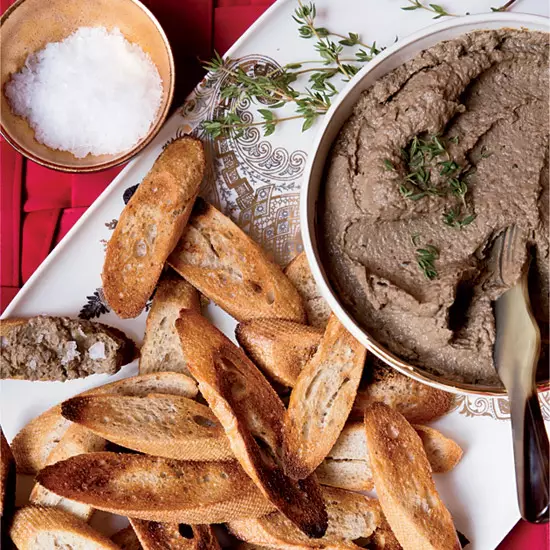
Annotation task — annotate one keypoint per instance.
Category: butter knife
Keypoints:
(516, 353)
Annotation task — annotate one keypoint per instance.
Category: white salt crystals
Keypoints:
(93, 93)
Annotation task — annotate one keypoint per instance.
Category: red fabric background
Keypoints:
(38, 206)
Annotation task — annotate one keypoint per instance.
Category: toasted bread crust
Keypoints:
(38, 527)
(160, 425)
(76, 440)
(150, 226)
(418, 403)
(280, 348)
(252, 415)
(227, 266)
(34, 443)
(161, 350)
(348, 464)
(322, 399)
(404, 484)
(7, 490)
(351, 516)
(157, 489)
(127, 539)
(317, 308)
(171, 536)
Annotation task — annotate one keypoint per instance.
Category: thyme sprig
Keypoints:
(439, 11)
(505, 7)
(453, 218)
(277, 88)
(425, 258)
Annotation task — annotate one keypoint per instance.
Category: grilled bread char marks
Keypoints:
(227, 266)
(156, 488)
(36, 527)
(280, 348)
(161, 350)
(351, 516)
(321, 400)
(172, 536)
(404, 484)
(60, 348)
(252, 415)
(160, 425)
(33, 444)
(150, 226)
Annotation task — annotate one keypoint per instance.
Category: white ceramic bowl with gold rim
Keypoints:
(339, 112)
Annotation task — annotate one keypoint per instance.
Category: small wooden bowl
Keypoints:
(28, 25)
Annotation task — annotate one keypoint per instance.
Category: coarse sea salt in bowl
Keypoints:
(108, 115)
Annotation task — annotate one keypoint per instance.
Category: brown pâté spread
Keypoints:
(438, 158)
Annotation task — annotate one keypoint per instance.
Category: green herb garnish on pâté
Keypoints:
(426, 258)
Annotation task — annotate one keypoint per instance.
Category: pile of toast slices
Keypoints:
(272, 441)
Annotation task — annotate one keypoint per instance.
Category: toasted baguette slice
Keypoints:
(442, 452)
(60, 348)
(351, 516)
(34, 443)
(160, 425)
(348, 464)
(150, 226)
(280, 348)
(321, 400)
(7, 491)
(404, 484)
(126, 539)
(252, 415)
(75, 441)
(317, 308)
(227, 266)
(35, 527)
(418, 403)
(161, 350)
(157, 489)
(7, 477)
(171, 536)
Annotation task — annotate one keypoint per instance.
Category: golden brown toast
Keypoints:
(161, 350)
(37, 527)
(403, 481)
(150, 226)
(348, 464)
(157, 489)
(75, 441)
(418, 403)
(34, 443)
(252, 415)
(351, 516)
(160, 425)
(172, 536)
(317, 308)
(321, 400)
(217, 257)
(127, 539)
(280, 348)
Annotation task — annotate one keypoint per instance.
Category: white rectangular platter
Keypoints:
(256, 181)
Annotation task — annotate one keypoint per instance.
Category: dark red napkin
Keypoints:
(38, 206)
